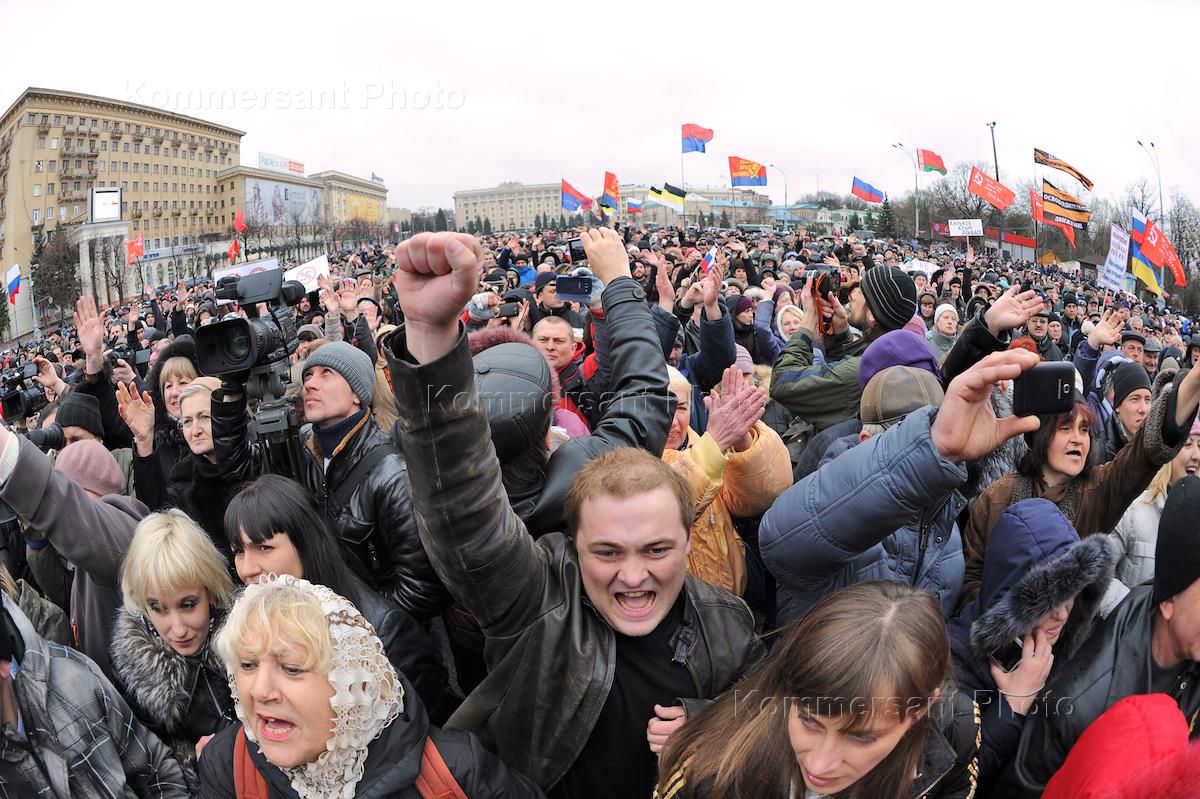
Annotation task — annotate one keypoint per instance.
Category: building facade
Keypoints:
(55, 146)
(346, 198)
(510, 206)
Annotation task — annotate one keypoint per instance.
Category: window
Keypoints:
(124, 185)
(37, 166)
(124, 166)
(49, 188)
(156, 149)
(37, 216)
(45, 119)
(104, 146)
(137, 148)
(29, 120)
(37, 189)
(103, 125)
(124, 206)
(51, 166)
(74, 210)
(62, 212)
(101, 166)
(58, 119)
(135, 185)
(136, 166)
(79, 163)
(75, 185)
(125, 148)
(70, 120)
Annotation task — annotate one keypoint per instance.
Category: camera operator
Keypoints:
(352, 466)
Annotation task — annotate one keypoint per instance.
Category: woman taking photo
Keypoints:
(274, 526)
(851, 702)
(1061, 467)
(324, 714)
(176, 589)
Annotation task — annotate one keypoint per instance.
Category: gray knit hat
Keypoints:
(351, 363)
(891, 295)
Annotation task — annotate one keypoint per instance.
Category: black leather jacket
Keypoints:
(376, 525)
(550, 655)
(1112, 664)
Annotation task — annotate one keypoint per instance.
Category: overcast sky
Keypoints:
(437, 97)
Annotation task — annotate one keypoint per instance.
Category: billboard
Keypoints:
(270, 202)
(277, 163)
(104, 204)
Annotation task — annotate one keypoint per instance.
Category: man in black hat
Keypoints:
(1149, 644)
(1038, 329)
(1070, 316)
(1133, 345)
(547, 302)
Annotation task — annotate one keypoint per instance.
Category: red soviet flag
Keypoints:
(134, 249)
(993, 192)
(1158, 251)
(239, 221)
(233, 250)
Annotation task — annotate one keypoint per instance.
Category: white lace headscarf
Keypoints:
(367, 694)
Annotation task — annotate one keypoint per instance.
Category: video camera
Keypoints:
(255, 344)
(19, 399)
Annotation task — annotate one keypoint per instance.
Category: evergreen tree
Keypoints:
(471, 227)
(724, 219)
(562, 221)
(478, 223)
(537, 222)
(487, 226)
(856, 223)
(439, 222)
(869, 222)
(887, 220)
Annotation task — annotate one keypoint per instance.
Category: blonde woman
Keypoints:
(176, 589)
(324, 714)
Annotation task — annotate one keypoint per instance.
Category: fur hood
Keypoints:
(1034, 563)
(1001, 461)
(155, 679)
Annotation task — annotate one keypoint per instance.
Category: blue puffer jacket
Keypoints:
(1034, 563)
(883, 510)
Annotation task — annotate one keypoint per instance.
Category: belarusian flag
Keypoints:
(930, 161)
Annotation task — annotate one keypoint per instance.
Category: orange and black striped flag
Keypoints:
(1060, 207)
(1045, 159)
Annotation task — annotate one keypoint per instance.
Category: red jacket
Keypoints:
(1137, 748)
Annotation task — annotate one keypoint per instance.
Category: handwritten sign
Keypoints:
(966, 227)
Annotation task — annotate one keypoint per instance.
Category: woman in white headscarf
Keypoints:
(324, 714)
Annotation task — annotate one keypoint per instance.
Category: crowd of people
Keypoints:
(701, 513)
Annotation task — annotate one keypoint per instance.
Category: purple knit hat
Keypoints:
(897, 348)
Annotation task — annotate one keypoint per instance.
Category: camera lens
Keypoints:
(237, 347)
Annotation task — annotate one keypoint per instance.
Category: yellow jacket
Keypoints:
(727, 484)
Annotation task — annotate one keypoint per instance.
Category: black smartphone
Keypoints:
(575, 252)
(141, 357)
(1046, 389)
(573, 289)
(1009, 656)
(508, 309)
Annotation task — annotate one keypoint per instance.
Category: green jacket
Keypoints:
(819, 386)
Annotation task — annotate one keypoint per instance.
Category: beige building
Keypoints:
(56, 145)
(346, 198)
(509, 206)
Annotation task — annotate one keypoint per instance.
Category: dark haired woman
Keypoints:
(275, 526)
(1061, 467)
(789, 731)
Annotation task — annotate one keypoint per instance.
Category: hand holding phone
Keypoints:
(1046, 389)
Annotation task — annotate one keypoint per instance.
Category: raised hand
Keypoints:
(1107, 331)
(436, 274)
(1012, 310)
(138, 413)
(666, 291)
(966, 426)
(606, 254)
(734, 411)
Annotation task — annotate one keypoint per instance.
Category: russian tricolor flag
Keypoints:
(13, 283)
(709, 259)
(866, 192)
(633, 205)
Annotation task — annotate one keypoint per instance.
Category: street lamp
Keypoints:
(1152, 154)
(995, 161)
(916, 190)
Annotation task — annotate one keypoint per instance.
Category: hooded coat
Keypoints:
(169, 444)
(1035, 563)
(392, 766)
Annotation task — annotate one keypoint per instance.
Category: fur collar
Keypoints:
(1082, 572)
(156, 680)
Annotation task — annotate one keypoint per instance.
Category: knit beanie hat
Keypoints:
(945, 307)
(351, 363)
(540, 282)
(81, 410)
(1127, 378)
(743, 303)
(742, 360)
(92, 467)
(891, 295)
(1176, 556)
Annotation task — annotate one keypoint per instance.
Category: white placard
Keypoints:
(241, 270)
(1112, 274)
(105, 205)
(921, 266)
(966, 227)
(308, 272)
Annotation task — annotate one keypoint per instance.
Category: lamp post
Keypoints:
(1152, 154)
(916, 190)
(787, 215)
